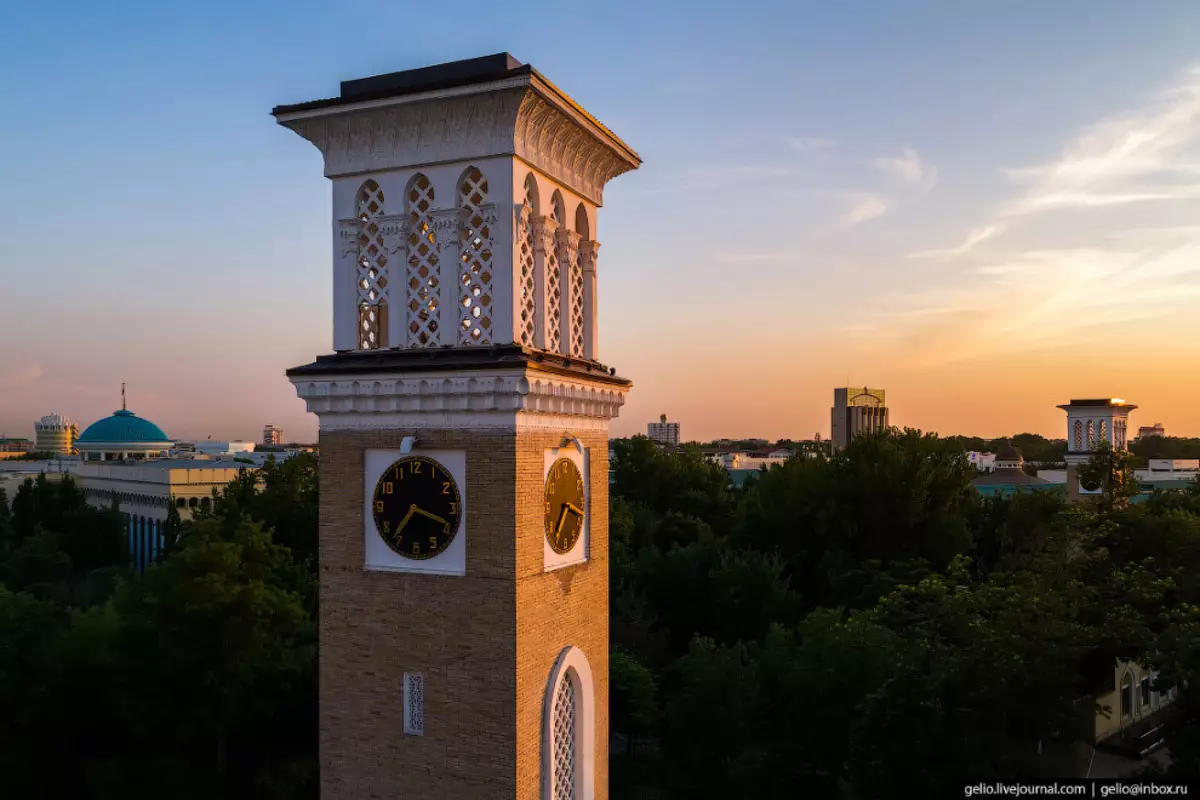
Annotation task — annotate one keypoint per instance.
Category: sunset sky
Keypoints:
(985, 209)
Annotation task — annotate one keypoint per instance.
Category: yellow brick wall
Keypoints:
(486, 642)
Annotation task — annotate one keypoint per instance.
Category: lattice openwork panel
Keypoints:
(1078, 435)
(576, 318)
(564, 740)
(414, 703)
(1104, 430)
(372, 266)
(421, 298)
(553, 301)
(528, 305)
(475, 274)
(1091, 434)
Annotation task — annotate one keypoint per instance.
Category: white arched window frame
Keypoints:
(569, 755)
(423, 270)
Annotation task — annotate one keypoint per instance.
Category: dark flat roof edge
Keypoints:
(378, 88)
(1099, 403)
(460, 359)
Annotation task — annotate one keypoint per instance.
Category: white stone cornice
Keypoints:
(517, 117)
(500, 399)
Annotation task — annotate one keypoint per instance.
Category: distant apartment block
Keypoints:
(55, 434)
(272, 435)
(856, 411)
(663, 432)
(1156, 429)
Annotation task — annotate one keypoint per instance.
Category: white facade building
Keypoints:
(55, 434)
(983, 462)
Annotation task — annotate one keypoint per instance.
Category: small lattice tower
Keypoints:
(464, 423)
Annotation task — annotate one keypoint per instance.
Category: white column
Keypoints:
(345, 290)
(395, 246)
(543, 243)
(446, 223)
(588, 251)
(500, 241)
(568, 253)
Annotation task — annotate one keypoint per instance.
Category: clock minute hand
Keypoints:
(573, 509)
(411, 510)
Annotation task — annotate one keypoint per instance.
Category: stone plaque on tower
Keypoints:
(463, 436)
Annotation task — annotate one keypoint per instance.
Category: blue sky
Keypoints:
(985, 210)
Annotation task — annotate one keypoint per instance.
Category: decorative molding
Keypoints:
(544, 229)
(484, 400)
(568, 242)
(589, 251)
(500, 119)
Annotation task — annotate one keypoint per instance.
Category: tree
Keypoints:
(1110, 472)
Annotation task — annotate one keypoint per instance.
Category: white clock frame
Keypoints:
(580, 553)
(378, 556)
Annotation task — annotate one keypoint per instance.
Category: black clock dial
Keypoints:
(565, 506)
(417, 507)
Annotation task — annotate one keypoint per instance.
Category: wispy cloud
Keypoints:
(1093, 278)
(908, 169)
(1148, 155)
(865, 207)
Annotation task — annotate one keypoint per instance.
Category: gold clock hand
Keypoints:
(574, 509)
(562, 518)
(411, 510)
(433, 517)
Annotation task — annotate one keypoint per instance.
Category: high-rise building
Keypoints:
(55, 434)
(663, 432)
(856, 411)
(1147, 431)
(464, 437)
(272, 435)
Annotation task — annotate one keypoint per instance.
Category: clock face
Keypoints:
(417, 507)
(565, 507)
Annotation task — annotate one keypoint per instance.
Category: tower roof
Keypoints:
(123, 427)
(1103, 402)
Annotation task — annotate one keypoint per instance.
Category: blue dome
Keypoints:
(123, 427)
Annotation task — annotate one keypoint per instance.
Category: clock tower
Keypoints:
(463, 436)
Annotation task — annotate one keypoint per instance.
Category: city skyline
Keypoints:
(986, 217)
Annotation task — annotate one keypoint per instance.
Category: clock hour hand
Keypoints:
(573, 509)
(411, 510)
(562, 518)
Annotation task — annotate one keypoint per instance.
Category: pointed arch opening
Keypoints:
(372, 268)
(569, 729)
(529, 209)
(581, 222)
(554, 278)
(421, 289)
(475, 257)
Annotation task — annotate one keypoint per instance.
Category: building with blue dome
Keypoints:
(123, 437)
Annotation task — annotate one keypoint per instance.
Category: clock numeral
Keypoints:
(398, 474)
(433, 542)
(445, 487)
(387, 526)
(415, 467)
(454, 508)
(378, 506)
(433, 470)
(446, 529)
(416, 548)
(387, 487)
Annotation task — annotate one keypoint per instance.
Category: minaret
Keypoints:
(464, 437)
